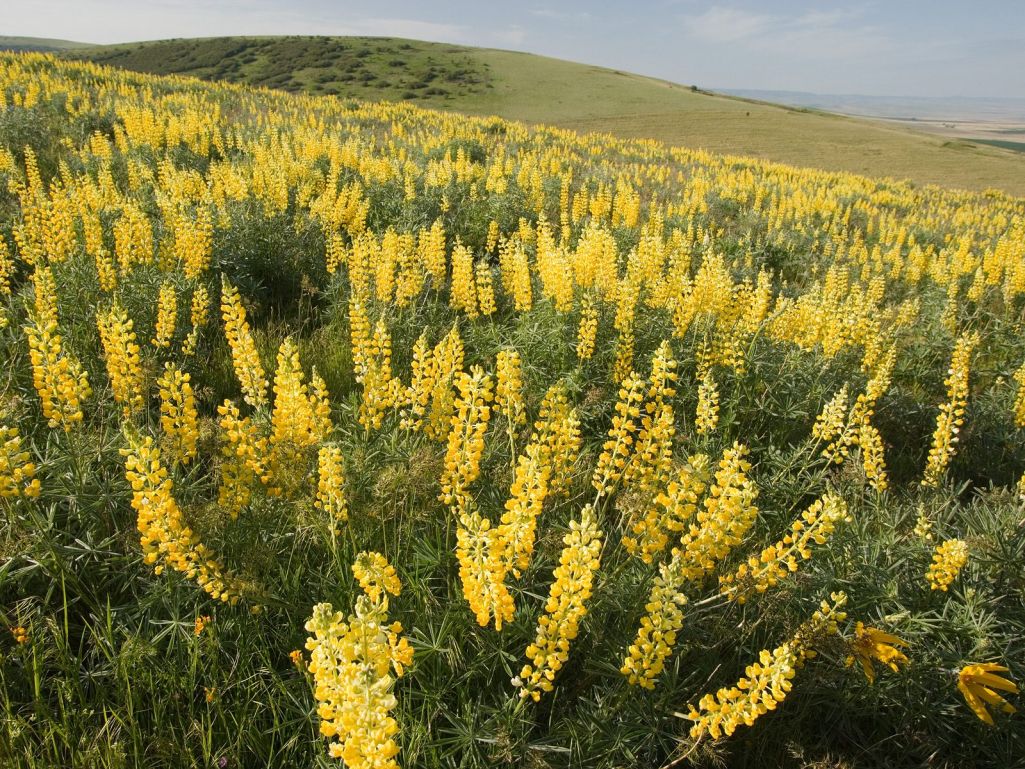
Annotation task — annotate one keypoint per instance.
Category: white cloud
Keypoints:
(727, 25)
(836, 34)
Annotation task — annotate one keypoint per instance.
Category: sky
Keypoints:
(875, 47)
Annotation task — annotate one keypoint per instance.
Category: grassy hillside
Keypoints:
(576, 96)
(37, 44)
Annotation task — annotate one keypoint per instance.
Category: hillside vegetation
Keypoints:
(37, 44)
(537, 89)
(337, 432)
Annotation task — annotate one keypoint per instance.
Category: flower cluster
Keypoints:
(766, 683)
(59, 379)
(199, 314)
(178, 415)
(165, 537)
(355, 663)
(466, 438)
(727, 514)
(669, 511)
(244, 459)
(17, 471)
(167, 315)
(331, 486)
(122, 356)
(566, 606)
(587, 330)
(300, 417)
(653, 453)
(947, 561)
(951, 417)
(775, 562)
(617, 449)
(483, 566)
(509, 388)
(244, 356)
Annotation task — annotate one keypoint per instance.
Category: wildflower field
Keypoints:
(341, 433)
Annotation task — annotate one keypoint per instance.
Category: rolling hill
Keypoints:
(37, 44)
(574, 96)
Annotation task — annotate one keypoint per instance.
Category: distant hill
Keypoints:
(38, 44)
(575, 96)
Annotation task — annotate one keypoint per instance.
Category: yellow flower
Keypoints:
(122, 356)
(17, 471)
(167, 313)
(566, 606)
(352, 663)
(780, 559)
(244, 356)
(947, 561)
(165, 537)
(587, 331)
(951, 416)
(708, 405)
(178, 415)
(375, 575)
(466, 438)
(20, 634)
(977, 683)
(617, 449)
(766, 683)
(201, 622)
(331, 486)
(870, 644)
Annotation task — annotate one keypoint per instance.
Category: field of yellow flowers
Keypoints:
(337, 433)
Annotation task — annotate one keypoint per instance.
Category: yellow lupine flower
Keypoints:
(766, 683)
(121, 354)
(669, 511)
(618, 448)
(244, 356)
(167, 313)
(244, 459)
(331, 496)
(951, 416)
(947, 561)
(59, 379)
(509, 387)
(653, 453)
(566, 605)
(587, 330)
(726, 516)
(466, 438)
(483, 566)
(354, 664)
(708, 405)
(17, 471)
(557, 431)
(485, 289)
(165, 537)
(178, 415)
(778, 560)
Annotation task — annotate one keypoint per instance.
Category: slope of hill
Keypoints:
(37, 44)
(576, 96)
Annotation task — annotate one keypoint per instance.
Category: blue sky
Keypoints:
(910, 48)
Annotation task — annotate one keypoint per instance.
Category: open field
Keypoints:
(355, 433)
(579, 97)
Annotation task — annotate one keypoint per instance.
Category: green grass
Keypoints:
(537, 89)
(38, 44)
